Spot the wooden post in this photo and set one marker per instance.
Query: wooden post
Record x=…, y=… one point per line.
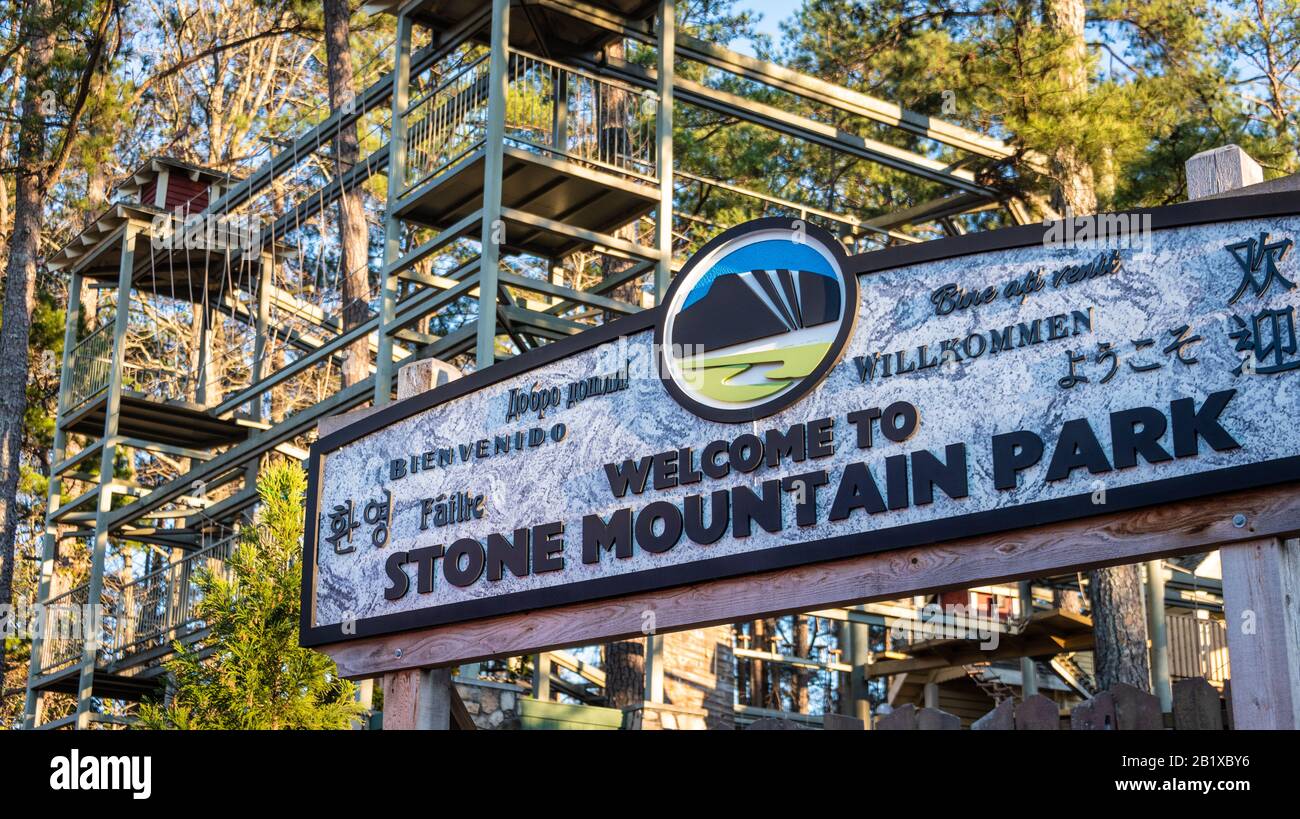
x=419, y=698
x=1261, y=604
x=542, y=676
x=859, y=653
x=1261, y=578
x=1220, y=170
x=930, y=695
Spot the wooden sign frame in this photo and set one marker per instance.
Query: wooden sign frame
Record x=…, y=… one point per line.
x=1249, y=509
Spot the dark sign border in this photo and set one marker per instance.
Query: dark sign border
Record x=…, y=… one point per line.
x=1056, y=510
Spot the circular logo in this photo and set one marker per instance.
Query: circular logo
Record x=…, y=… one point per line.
x=756, y=319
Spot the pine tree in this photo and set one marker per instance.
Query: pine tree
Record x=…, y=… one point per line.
x=257, y=676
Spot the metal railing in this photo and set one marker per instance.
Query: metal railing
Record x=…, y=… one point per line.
x=63, y=628
x=162, y=606
x=550, y=108
x=148, y=612
x=90, y=364
x=1197, y=648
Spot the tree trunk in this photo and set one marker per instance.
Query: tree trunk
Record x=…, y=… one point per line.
x=769, y=680
x=1073, y=186
x=1119, y=625
x=625, y=673
x=353, y=241
x=802, y=648
x=20, y=289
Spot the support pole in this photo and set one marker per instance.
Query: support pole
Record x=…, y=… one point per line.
x=206, y=368
x=1028, y=670
x=392, y=224
x=1261, y=607
x=107, y=457
x=860, y=644
x=1157, y=627
x=654, y=668
x=50, y=540
x=366, y=699
x=263, y=328
x=493, y=229
x=930, y=695
x=664, y=135
x=258, y=370
x=542, y=676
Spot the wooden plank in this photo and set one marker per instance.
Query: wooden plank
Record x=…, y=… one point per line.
x=932, y=719
x=902, y=718
x=1135, y=709
x=1037, y=713
x=1001, y=718
x=1196, y=706
x=1096, y=714
x=1126, y=537
x=839, y=722
x=1261, y=604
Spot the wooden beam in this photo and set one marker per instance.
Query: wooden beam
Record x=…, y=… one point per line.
x=1125, y=537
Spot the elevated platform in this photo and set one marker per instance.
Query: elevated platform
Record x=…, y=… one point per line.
x=556, y=190
x=1047, y=634
x=538, y=26
x=175, y=423
x=175, y=266
x=113, y=686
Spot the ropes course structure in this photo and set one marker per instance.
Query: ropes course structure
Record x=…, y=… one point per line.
x=519, y=186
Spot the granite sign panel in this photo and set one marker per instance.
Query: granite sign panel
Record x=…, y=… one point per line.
x=790, y=403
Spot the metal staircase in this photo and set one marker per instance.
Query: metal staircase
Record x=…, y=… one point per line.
x=1074, y=675
x=982, y=675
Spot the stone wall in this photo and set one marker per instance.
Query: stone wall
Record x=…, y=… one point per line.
x=494, y=706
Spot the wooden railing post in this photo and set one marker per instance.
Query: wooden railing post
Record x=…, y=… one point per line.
x=1261, y=604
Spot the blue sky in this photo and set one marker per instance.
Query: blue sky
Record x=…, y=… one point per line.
x=773, y=11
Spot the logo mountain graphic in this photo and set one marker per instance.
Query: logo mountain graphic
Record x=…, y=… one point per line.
x=760, y=319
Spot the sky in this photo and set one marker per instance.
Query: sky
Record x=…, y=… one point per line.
x=773, y=11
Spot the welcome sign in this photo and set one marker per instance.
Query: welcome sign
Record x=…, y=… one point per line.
x=789, y=403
